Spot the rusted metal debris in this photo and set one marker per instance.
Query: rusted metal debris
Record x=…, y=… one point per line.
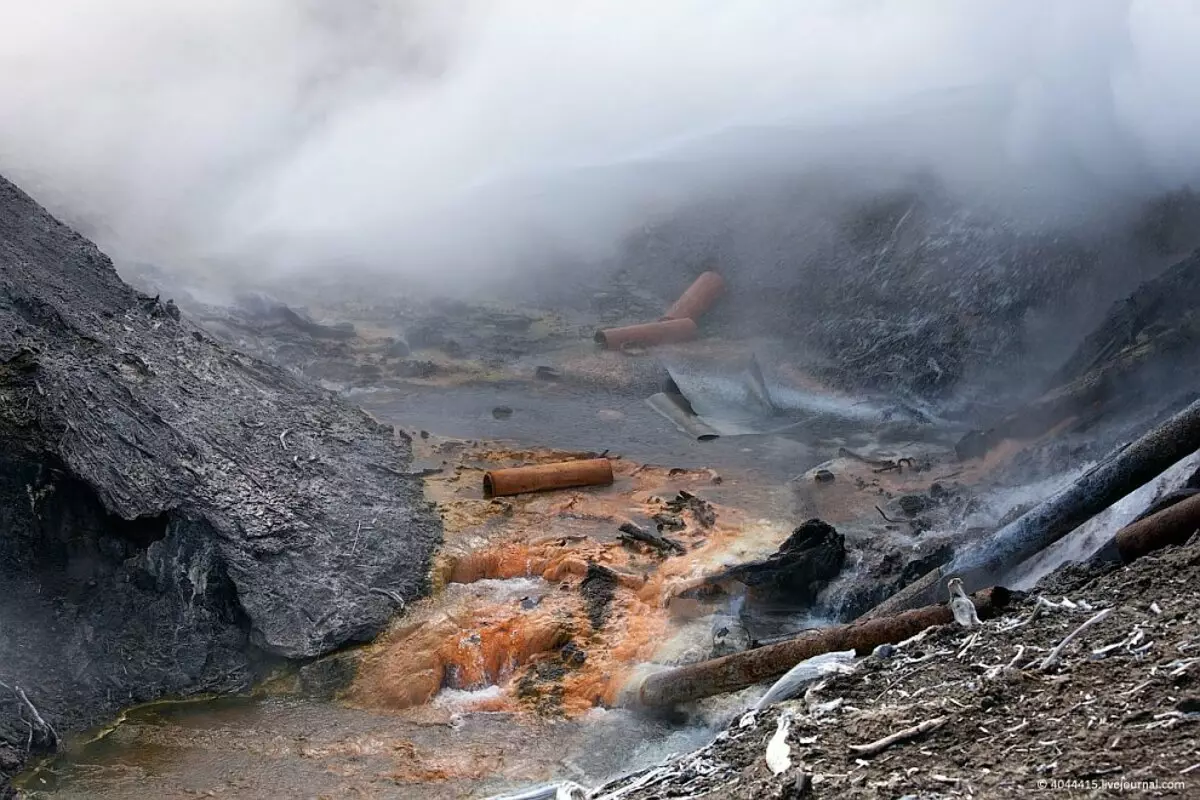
x=665, y=332
x=733, y=672
x=698, y=298
x=544, y=477
x=1123, y=471
x=1173, y=525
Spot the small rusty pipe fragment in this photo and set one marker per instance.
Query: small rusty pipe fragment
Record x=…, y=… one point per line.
x=698, y=298
x=543, y=477
x=1173, y=525
x=665, y=332
x=739, y=670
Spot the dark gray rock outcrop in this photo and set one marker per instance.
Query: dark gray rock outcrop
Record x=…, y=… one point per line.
x=173, y=514
x=794, y=574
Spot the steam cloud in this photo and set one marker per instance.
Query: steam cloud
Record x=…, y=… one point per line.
x=438, y=139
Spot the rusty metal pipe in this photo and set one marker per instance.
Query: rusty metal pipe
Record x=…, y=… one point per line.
x=1172, y=525
x=650, y=333
x=733, y=672
x=698, y=298
x=544, y=477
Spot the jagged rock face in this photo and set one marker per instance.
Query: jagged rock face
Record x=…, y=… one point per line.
x=172, y=511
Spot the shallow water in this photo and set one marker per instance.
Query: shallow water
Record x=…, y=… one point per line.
x=285, y=747
x=568, y=418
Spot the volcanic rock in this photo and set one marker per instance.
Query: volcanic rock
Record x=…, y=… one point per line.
x=793, y=575
x=173, y=514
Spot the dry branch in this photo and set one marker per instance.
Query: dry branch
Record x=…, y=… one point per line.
x=876, y=747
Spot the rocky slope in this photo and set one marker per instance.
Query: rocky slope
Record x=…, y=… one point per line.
x=1005, y=711
x=173, y=514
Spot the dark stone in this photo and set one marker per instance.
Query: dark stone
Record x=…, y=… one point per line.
x=701, y=509
x=417, y=368
x=397, y=348
x=546, y=374
x=573, y=655
x=153, y=543
x=598, y=588
x=889, y=577
x=914, y=504
x=1189, y=705
x=793, y=575
x=824, y=476
x=327, y=677
x=502, y=412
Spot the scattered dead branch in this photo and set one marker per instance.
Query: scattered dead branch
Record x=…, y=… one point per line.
x=878, y=746
x=635, y=533
x=38, y=719
x=1052, y=658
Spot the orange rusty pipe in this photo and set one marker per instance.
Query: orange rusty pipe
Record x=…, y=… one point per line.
x=664, y=332
x=1173, y=525
x=698, y=298
x=543, y=477
x=739, y=670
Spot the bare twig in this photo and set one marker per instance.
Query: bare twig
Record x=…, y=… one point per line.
x=887, y=518
x=631, y=533
x=37, y=717
x=283, y=438
x=1052, y=658
x=878, y=746
x=393, y=596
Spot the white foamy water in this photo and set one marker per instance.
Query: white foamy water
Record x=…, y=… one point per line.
x=463, y=699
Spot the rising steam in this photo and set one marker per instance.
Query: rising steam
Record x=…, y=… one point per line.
x=440, y=138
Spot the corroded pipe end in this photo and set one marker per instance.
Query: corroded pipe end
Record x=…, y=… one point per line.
x=1173, y=525
x=651, y=333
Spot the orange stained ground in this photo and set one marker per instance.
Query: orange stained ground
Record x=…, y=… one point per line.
x=463, y=641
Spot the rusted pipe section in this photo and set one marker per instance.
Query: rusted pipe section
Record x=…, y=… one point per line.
x=698, y=298
x=1121, y=472
x=739, y=670
x=543, y=477
x=1173, y=525
x=665, y=332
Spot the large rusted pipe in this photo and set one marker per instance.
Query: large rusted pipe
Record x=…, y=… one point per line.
x=1172, y=525
x=665, y=332
x=698, y=298
x=733, y=672
x=543, y=477
x=1121, y=472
